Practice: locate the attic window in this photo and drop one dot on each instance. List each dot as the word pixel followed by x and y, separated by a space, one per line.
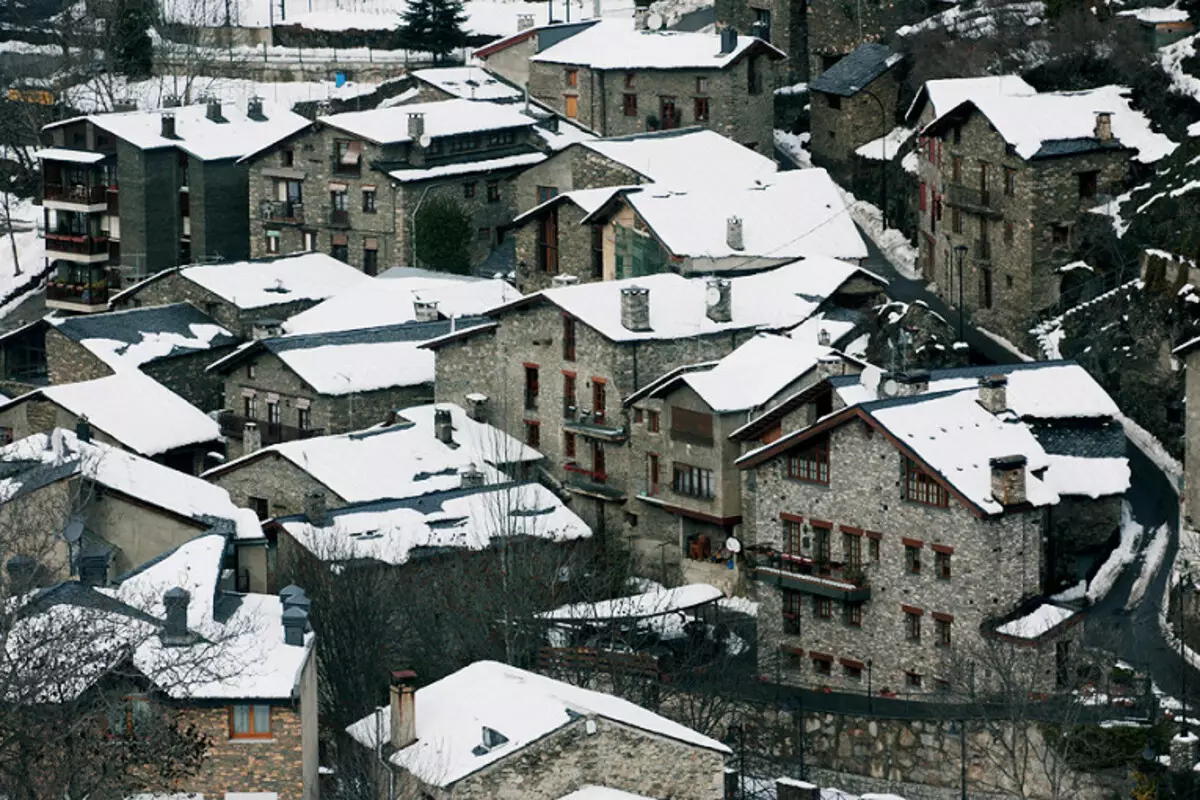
pixel 491 740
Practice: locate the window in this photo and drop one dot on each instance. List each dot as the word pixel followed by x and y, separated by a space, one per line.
pixel 701 104
pixel 598 400
pixel 652 421
pixel 250 370
pixel 912 559
pixel 956 220
pixel 287 157
pixel 346 156
pixel 920 487
pixel 598 251
pixel 701 85
pixel 272 242
pixel 692 481
pixel 668 114
pixel 599 473
pixel 572 103
pixel 572 78
pixel 1010 181
pixel 531 386
pixel 821 552
pixel 250 722
pixel 469 189
pixel 762 23
pixel 261 507
pixel 912 680
pixel 811 464
pixel 499 138
pixel 941 561
pixel 368 200
pixel 273 418
pixel 570 402
pixel 493 191
pixel 568 444
pixel 339 203
pixel 873 549
pixel 852 550
pixel 533 433
pixel 630 80
pixel 691 426
pixel 912 625
pixel 921 202
pixel 852 670
pixel 834 102
pixel 753 79
pixel 129 718
pixel 854 614
pixel 250 404
pixel 822 608
pixel 1088 183
pixel 370 261
pixel 1008 233
pixel 985 287
pixel 547 242
pixel 652 474
pixel 822 664
pixel 568 338
pixel 304 419
pixel 629 104
pixel 792 606
pixel 1060 236
pixel 341 252
pixel 638 416
pixel 546 193
pixel 793 537
pixel 310 241
pixel 956 168
pixel 942 627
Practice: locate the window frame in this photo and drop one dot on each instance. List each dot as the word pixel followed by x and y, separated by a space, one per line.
pixel 532 384
pixel 629 104
pixel 569 337
pixel 689 480
pixel 493 191
pixel 653 421
pixel 912 625
pixel 912 559
pixel 234 734
pixel 942 567
pixel 701 109
pixel 793 607
pixel 943 636
pixel 533 433
pixel 599 400
pixel 810 465
pixel 922 488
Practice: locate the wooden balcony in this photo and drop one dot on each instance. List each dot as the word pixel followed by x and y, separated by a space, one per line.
pixel 76 193
pixel 233 425
pixel 83 247
pixel 77 297
pixel 844 582
pixel 285 211
pixel 973 200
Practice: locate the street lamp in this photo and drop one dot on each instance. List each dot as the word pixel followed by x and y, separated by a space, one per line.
pixel 962 750
pixel 960 250
pixel 883 127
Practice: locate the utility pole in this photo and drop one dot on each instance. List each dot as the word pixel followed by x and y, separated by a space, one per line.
pixel 960 250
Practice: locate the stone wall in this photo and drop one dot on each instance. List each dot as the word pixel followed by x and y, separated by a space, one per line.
pixel 840 125
pixel 576 167
pixel 789 30
pixel 67 361
pixel 250 765
pixel 151 224
pixel 575 256
pixel 277 480
pixel 836 29
pixel 219 192
pixel 186 376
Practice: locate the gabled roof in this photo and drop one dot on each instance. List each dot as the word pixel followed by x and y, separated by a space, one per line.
pixel 442 118
pixel 613 44
pixel 133 409
pixel 468 83
pixel 130 339
pixel 396 461
pixel 237 135
pixel 587 200
pixel 554 32
pixel 946 93
pixel 522 706
pixel 671 157
pixel 653 603
pixel 852 74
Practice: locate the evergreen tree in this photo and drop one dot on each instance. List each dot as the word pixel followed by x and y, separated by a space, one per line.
pixel 443 230
pixel 434 26
pixel 131 52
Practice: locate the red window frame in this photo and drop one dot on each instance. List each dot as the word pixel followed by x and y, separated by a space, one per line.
pixel 921 487
pixel 810 465
pixel 923 204
pixel 569 398
pixel 568 338
pixel 793 605
pixel 531 385
pixel 653 473
pixel 269 734
pixel 599 385
pixel 652 421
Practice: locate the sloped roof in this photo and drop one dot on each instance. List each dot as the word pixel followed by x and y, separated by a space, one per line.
pixel 946 93
pixel 614 44
pixel 468 83
pixel 442 118
pixel 671 157
pixel 855 72
pixel 139 336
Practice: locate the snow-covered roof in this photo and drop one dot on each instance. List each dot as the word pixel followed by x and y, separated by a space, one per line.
pixel 397 461
pixel 442 118
pixel 127 473
pixel 391 301
pixel 670 157
pixel 779 298
pixel 885 147
pixel 1088 477
pixel 614 44
pixel 235 136
pixel 602 793
pixel 787 215
pixel 946 93
pixel 521 706
pixel 129 339
pixel 468 83
pixel 66 154
pixel 1046 123
pixel 588 200
pixel 1037 622
pixel 1156 16
pixel 133 409
pixel 466 167
pixel 268 282
pixel 467 519
pixel 647 604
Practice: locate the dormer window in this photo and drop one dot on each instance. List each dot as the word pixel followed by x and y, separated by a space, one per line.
pixel 811 464
pixel 921 487
pixel 491 739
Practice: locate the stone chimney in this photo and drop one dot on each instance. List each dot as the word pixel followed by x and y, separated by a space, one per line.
pixel 251 438
pixel 314 508
pixel 524 22
pixel 175 631
pixel 416 126
pixel 266 328
pixel 477 406
pixel 213 111
pixel 168 126
pixel 1104 126
pixel 635 308
pixel 993 393
pixel 1183 751
pixel 733 233
pixel 641 16
pixel 828 366
pixel 295 623
pixel 472 477
pixel 83 429
pixel 254 109
pixel 425 310
pixel 729 37
pixel 912 382
pixel 404 711
pixel 443 425
pixel 823 338
pixel 1008 479
pixel 718 300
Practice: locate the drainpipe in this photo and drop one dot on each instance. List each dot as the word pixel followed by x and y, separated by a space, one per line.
pixel 420 200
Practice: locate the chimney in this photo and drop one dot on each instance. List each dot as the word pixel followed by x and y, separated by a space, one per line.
pixel 21 571
pixel 559 281
pixel 265 328
pixel 472 477
pixel 175 631
pixel 251 438
pixel 993 393
pixel 83 429
pixel 404 712
pixel 792 789
pixel 254 109
pixel 477 406
pixel 718 300
pixel 425 310
pixel 168 126
pixel 171 101
pixel 1008 479
pixel 733 233
pixel 213 113
pixel 828 366
pixel 635 308
pixel 314 508
pixel 641 15
pixel 416 126
pixel 823 338
pixel 93 570
pixel 443 425
pixel 524 22
pixel 729 37
pixel 289 591
pixel 1104 126
pixel 912 382
pixel 295 623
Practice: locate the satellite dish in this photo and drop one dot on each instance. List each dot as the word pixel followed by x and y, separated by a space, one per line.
pixel 712 295
pixel 74 531
pixel 890 387
pixel 425 140
pixel 654 22
pixel 733 545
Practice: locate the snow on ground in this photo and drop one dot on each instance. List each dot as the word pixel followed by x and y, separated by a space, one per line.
pixel 31 255
pixel 1152 560
pixel 151 93
pixel 1153 450
pixel 795 146
pixel 894 244
pixel 1172 57
pixel 1042 619
pixel 1125 552
pixel 1076 592
pixel 979 21
pixel 1005 343
pixel 740 605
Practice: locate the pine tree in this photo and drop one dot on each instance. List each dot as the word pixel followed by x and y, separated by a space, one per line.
pixel 130 47
pixel 434 26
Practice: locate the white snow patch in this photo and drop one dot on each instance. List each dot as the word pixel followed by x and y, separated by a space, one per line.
pixel 1153 450
pixel 795 146
pixel 1005 343
pixel 886 147
pixel 1122 556
pixel 896 247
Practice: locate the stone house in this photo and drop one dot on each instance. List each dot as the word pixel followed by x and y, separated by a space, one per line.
pixel 688 493
pixel 509 57
pixel 351 184
pixel 304 385
pixel 95 511
pixel 921 516
pixel 554 367
pixel 1161 26
pixel 541 739
pixel 1005 180
pixel 242 294
pixel 127 410
pixel 618 81
pixel 852 103
pixel 129 194
pixel 835 30
pixel 783 24
pixel 254 695
pixel 420 451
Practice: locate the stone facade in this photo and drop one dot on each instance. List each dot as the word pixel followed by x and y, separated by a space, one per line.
pixel 67 361
pixel 840 125
pixel 558 229
pixel 732 110
pixel 1016 219
pixel 781 23
pixel 836 29
pixel 275 479
pixel 574 167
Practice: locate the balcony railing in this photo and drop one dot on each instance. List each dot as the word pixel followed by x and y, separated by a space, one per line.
pixel 282 211
pixel 340 168
pixel 80 245
pixel 591 482
pixel 95 294
pixel 75 193
pixel 233 425
pixel 339 218
pixel 972 199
